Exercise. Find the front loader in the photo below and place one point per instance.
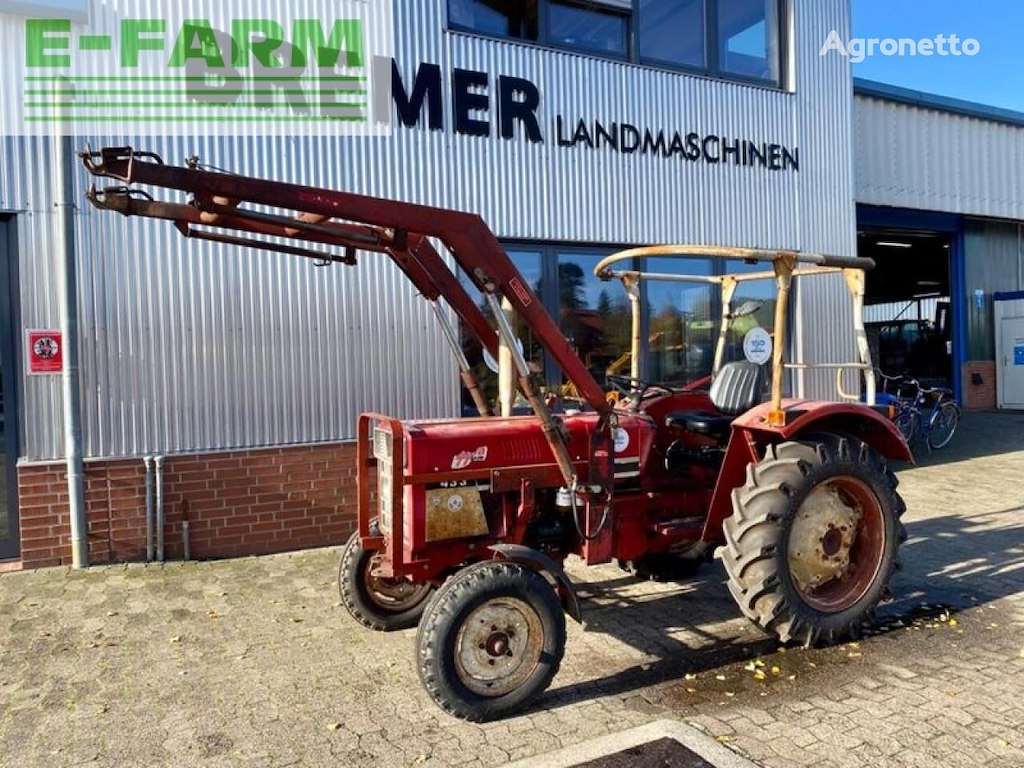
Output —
(464, 524)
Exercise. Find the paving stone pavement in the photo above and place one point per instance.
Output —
(253, 662)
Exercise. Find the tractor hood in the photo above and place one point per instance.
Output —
(474, 448)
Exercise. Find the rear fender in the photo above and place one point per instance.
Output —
(805, 417)
(751, 433)
(542, 564)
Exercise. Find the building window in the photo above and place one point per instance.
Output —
(680, 321)
(683, 320)
(748, 34)
(732, 39)
(673, 32)
(501, 18)
(588, 28)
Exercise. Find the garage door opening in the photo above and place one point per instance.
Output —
(907, 304)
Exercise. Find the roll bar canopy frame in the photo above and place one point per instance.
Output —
(786, 265)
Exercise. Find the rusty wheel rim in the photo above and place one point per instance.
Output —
(498, 647)
(394, 595)
(837, 544)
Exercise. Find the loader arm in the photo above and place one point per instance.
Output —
(223, 201)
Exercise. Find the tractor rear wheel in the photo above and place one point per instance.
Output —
(812, 542)
(382, 604)
(491, 640)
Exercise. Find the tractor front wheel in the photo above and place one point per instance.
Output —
(491, 640)
(382, 604)
(812, 542)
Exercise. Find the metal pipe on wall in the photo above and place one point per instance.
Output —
(71, 394)
(1020, 257)
(148, 461)
(159, 461)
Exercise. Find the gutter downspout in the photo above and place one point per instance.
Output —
(148, 461)
(1020, 257)
(71, 394)
(159, 508)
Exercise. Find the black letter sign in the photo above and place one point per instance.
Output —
(427, 85)
(524, 111)
(465, 101)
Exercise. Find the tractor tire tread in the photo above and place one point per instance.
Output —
(754, 531)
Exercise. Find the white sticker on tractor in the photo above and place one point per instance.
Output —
(757, 346)
(621, 440)
(464, 459)
(455, 503)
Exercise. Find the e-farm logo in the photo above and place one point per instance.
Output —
(200, 68)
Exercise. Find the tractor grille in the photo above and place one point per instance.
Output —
(382, 444)
(385, 470)
(384, 495)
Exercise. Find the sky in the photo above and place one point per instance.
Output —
(995, 76)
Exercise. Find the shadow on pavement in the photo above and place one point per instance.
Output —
(956, 563)
(693, 629)
(951, 564)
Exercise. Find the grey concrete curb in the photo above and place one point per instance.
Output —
(687, 735)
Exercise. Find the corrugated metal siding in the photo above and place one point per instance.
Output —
(187, 346)
(993, 263)
(823, 315)
(30, 183)
(912, 157)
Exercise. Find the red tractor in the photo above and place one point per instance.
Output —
(471, 520)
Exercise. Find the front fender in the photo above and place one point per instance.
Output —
(538, 561)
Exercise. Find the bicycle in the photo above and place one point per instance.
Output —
(907, 417)
(930, 412)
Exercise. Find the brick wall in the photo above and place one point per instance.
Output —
(240, 503)
(980, 397)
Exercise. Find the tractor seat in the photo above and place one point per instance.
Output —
(736, 389)
(707, 424)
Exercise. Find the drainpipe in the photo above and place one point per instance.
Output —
(1020, 257)
(72, 398)
(159, 508)
(185, 543)
(148, 461)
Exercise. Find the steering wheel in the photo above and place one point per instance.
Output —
(636, 389)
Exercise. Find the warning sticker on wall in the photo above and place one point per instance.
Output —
(45, 352)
